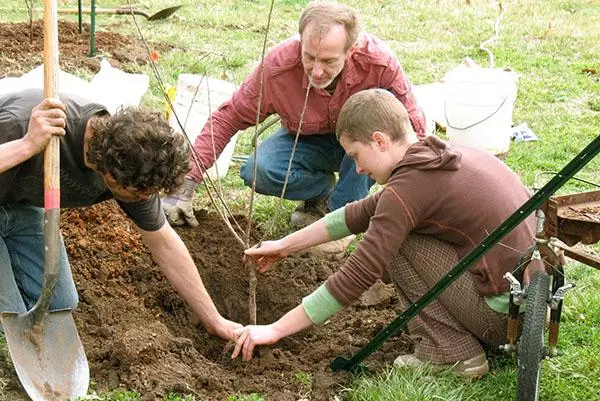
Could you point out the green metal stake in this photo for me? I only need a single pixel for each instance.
(92, 52)
(79, 13)
(576, 164)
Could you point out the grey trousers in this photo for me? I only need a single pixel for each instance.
(454, 325)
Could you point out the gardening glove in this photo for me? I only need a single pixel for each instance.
(178, 205)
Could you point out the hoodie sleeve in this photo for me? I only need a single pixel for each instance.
(359, 213)
(387, 229)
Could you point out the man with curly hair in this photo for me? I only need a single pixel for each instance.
(129, 156)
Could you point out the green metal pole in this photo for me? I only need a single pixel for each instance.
(79, 13)
(576, 164)
(92, 52)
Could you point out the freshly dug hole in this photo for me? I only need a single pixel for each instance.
(139, 334)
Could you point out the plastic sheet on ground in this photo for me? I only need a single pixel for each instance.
(110, 87)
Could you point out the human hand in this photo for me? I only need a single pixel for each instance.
(225, 329)
(250, 336)
(178, 205)
(266, 253)
(47, 119)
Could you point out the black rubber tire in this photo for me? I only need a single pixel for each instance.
(531, 345)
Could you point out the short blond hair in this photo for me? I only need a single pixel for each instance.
(373, 110)
(325, 14)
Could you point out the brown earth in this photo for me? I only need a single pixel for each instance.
(139, 334)
(19, 55)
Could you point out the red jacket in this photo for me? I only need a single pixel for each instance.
(370, 64)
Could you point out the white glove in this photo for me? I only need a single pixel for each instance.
(178, 205)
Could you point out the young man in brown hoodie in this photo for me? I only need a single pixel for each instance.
(439, 202)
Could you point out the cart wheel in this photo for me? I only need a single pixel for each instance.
(531, 345)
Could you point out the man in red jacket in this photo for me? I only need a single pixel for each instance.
(305, 80)
(438, 203)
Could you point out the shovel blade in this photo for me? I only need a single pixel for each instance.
(162, 14)
(49, 359)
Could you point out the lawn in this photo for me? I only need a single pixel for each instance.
(552, 45)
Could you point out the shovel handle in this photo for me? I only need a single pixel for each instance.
(51, 165)
(113, 11)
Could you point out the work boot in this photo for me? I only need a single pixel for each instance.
(335, 248)
(473, 368)
(308, 212)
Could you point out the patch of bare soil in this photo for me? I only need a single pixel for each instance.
(19, 55)
(139, 334)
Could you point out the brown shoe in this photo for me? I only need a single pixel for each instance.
(473, 368)
(308, 212)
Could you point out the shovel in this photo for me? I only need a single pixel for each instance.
(162, 14)
(44, 345)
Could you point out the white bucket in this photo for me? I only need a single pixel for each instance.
(431, 99)
(191, 104)
(478, 107)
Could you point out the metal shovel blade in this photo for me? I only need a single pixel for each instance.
(48, 355)
(165, 13)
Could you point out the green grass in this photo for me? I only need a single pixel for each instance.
(553, 45)
(411, 385)
(574, 375)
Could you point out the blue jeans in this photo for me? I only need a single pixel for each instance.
(316, 159)
(22, 262)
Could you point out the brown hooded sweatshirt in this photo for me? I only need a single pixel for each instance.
(459, 195)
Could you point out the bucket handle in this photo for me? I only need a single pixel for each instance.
(474, 124)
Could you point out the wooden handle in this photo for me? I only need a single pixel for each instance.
(51, 166)
(51, 68)
(113, 11)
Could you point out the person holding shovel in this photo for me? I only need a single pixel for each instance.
(439, 202)
(129, 156)
(305, 80)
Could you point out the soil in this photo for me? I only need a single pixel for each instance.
(19, 54)
(137, 331)
(588, 212)
(139, 334)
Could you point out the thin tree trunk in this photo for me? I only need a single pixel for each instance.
(29, 4)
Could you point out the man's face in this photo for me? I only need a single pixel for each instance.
(125, 194)
(369, 158)
(323, 54)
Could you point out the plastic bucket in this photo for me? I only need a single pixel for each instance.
(193, 108)
(478, 107)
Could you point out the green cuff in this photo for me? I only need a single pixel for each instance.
(335, 222)
(320, 305)
(499, 303)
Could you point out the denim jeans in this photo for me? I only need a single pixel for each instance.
(22, 262)
(316, 159)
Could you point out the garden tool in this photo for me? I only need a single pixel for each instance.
(162, 14)
(44, 345)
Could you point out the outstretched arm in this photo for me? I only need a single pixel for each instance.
(235, 114)
(315, 309)
(396, 80)
(329, 228)
(251, 336)
(172, 256)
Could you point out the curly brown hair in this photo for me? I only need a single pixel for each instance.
(139, 150)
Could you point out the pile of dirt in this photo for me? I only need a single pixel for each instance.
(137, 331)
(139, 334)
(20, 52)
